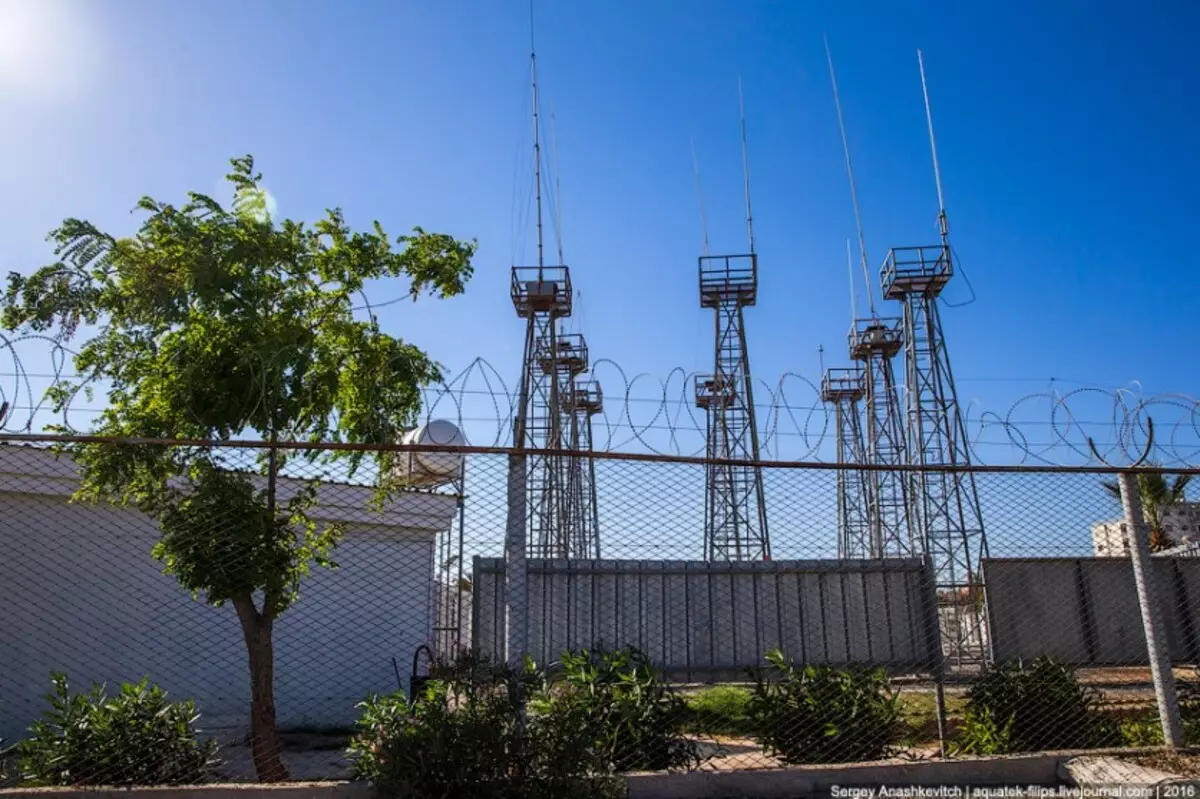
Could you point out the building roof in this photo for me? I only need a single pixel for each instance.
(36, 470)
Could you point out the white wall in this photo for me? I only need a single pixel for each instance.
(79, 592)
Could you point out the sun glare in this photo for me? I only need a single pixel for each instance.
(47, 49)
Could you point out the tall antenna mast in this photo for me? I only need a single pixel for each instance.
(537, 139)
(735, 508)
(700, 197)
(746, 167)
(850, 272)
(943, 221)
(557, 186)
(862, 244)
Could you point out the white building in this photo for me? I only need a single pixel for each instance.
(80, 593)
(1179, 521)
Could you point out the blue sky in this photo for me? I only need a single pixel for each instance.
(1066, 135)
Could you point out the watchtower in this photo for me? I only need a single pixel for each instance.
(587, 400)
(874, 343)
(735, 521)
(843, 389)
(945, 503)
(542, 296)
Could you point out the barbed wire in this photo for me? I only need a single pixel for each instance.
(647, 413)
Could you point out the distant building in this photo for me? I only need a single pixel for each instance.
(1180, 521)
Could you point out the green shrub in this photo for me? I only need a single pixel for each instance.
(134, 738)
(721, 710)
(464, 736)
(628, 717)
(822, 714)
(1143, 730)
(1018, 707)
(1189, 707)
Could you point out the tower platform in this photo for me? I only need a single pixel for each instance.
(728, 279)
(713, 392)
(570, 354)
(875, 335)
(588, 397)
(541, 289)
(916, 270)
(839, 385)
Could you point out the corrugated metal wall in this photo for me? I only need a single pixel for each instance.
(1084, 611)
(702, 620)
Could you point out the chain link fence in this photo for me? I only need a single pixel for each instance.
(1027, 634)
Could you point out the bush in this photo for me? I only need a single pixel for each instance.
(134, 738)
(1041, 706)
(1145, 730)
(463, 736)
(822, 714)
(625, 714)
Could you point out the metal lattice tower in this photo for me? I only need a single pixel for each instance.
(945, 503)
(542, 296)
(874, 343)
(735, 519)
(844, 390)
(545, 419)
(584, 512)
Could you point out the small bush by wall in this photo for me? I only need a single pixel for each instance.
(1039, 706)
(629, 718)
(463, 735)
(137, 737)
(823, 714)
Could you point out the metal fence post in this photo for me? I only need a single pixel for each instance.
(1148, 599)
(516, 594)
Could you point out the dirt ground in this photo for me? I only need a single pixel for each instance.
(1185, 765)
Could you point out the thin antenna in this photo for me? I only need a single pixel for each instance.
(700, 197)
(746, 167)
(943, 222)
(557, 185)
(821, 357)
(537, 140)
(862, 244)
(850, 271)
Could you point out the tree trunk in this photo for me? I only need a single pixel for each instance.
(1159, 540)
(264, 740)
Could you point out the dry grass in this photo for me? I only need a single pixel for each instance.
(1185, 765)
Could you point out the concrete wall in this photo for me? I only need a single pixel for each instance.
(698, 619)
(80, 593)
(1085, 611)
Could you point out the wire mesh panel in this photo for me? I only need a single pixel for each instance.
(391, 590)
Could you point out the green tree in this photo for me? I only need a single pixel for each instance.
(213, 323)
(1156, 493)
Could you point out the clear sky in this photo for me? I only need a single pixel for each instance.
(1066, 132)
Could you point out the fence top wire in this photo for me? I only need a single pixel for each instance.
(51, 440)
